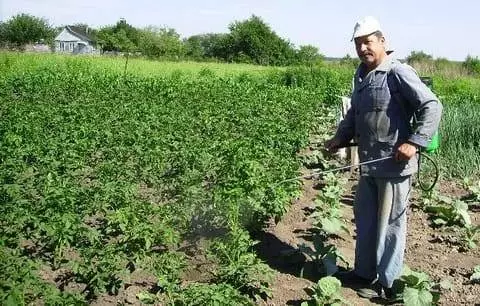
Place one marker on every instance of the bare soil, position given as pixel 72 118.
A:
pixel 436 251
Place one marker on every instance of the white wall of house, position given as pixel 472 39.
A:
pixel 67 42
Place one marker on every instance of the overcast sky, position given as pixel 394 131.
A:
pixel 442 28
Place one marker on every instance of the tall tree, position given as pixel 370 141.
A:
pixel 121 37
pixel 3 40
pixel 211 45
pixel 23 29
pixel 308 55
pixel 158 42
pixel 254 40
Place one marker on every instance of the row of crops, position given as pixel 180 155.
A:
pixel 104 174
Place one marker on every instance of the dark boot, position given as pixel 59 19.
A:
pixel 351 278
pixel 371 291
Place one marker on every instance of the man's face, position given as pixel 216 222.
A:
pixel 370 50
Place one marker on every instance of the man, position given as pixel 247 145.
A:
pixel 386 96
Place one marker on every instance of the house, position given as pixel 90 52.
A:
pixel 75 40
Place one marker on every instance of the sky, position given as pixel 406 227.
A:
pixel 441 28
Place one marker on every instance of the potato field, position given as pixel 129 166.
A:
pixel 151 185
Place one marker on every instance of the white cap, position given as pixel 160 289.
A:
pixel 366 26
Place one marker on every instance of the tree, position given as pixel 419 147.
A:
pixel 193 47
pixel 121 37
pixel 3 40
pixel 203 46
pixel 418 56
pixel 158 42
pixel 23 29
pixel 308 55
pixel 253 40
pixel 209 46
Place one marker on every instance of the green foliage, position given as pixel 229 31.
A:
pixel 328 213
pixel 23 29
pixel 167 266
pixel 121 37
pixel 207 46
pixel 308 55
pixel 239 265
pixel 442 63
pixel 459 153
pixel 20 284
pixel 253 41
pixel 473 186
pixel 130 164
pixel 471 236
pixel 475 277
pixel 210 294
pixel 349 61
pixel 327 291
pixel 249 41
pixel 449 212
pixel 333 83
pixel 163 43
pixel 418 56
pixel 472 64
pixel 417 288
pixel 325 256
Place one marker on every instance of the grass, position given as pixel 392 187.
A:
pixel 138 66
pixel 460 139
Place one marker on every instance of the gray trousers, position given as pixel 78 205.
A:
pixel 381 219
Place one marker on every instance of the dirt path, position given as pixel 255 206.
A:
pixel 434 251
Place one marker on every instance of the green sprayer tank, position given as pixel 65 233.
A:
pixel 435 142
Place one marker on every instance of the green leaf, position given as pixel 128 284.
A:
pixel 415 297
pixel 439 221
pixel 475 277
pixel 331 225
pixel 411 279
pixel 146 297
pixel 465 217
pixel 329 285
pixel 14 299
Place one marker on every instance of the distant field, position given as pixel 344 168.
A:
pixel 135 65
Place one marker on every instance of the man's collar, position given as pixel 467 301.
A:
pixel 384 66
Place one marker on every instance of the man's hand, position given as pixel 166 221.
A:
pixel 405 152
pixel 332 145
